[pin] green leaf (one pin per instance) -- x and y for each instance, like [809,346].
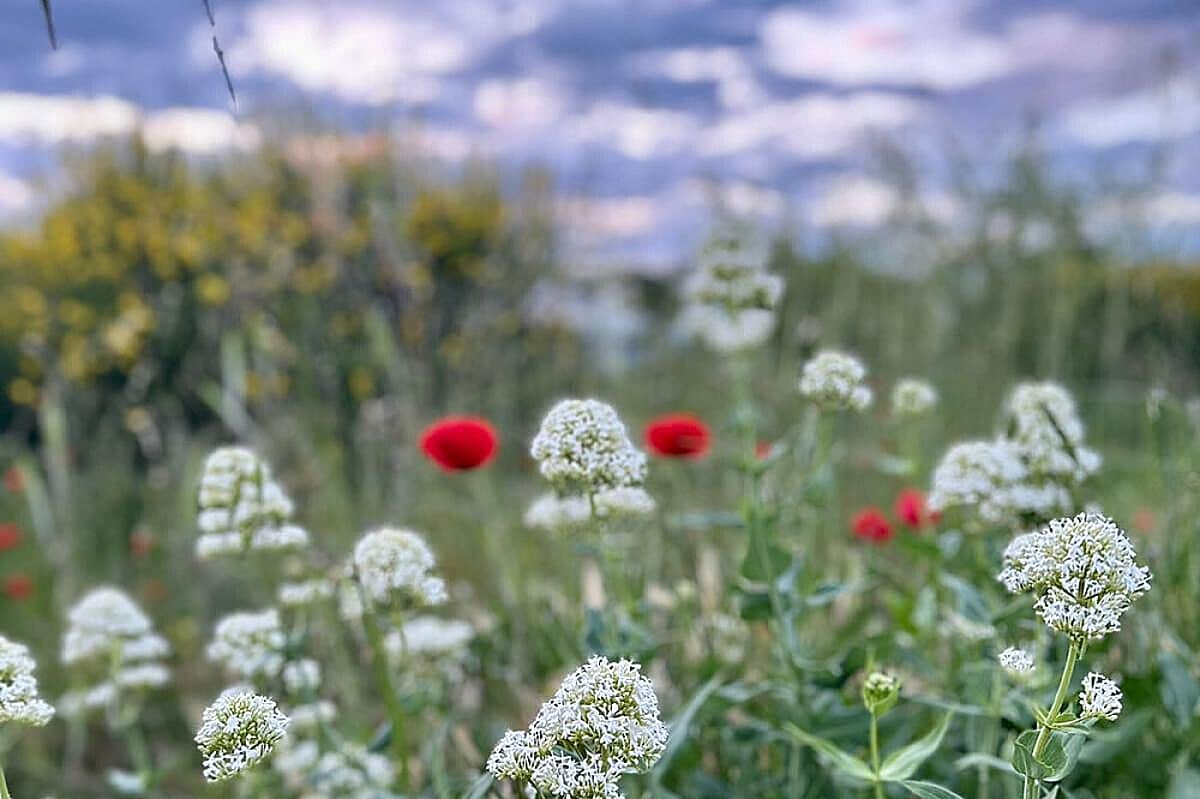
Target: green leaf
[1180,693]
[480,787]
[681,725]
[984,760]
[904,762]
[841,760]
[1053,764]
[928,790]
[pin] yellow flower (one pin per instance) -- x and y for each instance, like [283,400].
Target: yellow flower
[213,290]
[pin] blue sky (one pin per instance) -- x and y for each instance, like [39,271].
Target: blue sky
[645,109]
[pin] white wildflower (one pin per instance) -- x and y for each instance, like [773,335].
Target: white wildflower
[623,501]
[350,772]
[312,715]
[912,397]
[1099,698]
[238,731]
[1015,661]
[552,512]
[20,702]
[397,562]
[305,592]
[991,478]
[302,676]
[142,675]
[583,447]
[605,709]
[429,636]
[1044,424]
[835,380]
[242,507]
[249,644]
[101,623]
[724,331]
[1083,570]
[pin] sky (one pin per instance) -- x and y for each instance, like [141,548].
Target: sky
[646,111]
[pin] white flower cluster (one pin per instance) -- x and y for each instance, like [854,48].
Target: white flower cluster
[991,477]
[1016,662]
[731,297]
[430,637]
[109,633]
[347,772]
[302,677]
[582,447]
[1029,473]
[20,702]
[299,593]
[390,562]
[1099,698]
[242,507]
[912,397]
[552,512]
[250,644]
[1084,571]
[1044,424]
[601,723]
[835,381]
[238,731]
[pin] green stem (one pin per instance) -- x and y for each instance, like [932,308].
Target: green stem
[1044,731]
[391,699]
[875,755]
[4,794]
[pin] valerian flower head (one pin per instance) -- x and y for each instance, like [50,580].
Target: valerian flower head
[1099,698]
[583,447]
[1044,424]
[990,478]
[238,731]
[880,692]
[555,513]
[20,702]
[106,630]
[1083,570]
[1016,662]
[392,563]
[836,381]
[299,593]
[603,719]
[250,644]
[912,397]
[429,637]
[724,331]
[301,676]
[242,507]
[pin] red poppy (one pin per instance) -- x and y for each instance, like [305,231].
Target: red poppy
[460,443]
[762,450]
[141,543]
[10,536]
[678,435]
[18,587]
[913,511]
[14,481]
[1144,520]
[870,524]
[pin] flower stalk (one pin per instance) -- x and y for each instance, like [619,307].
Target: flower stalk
[1044,729]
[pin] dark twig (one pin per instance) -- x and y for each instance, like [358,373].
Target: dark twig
[50,23]
[212,23]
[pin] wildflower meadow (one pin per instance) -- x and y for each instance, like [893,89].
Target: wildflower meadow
[332,469]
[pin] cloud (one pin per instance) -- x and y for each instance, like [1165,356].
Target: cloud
[371,52]
[933,44]
[520,103]
[812,127]
[858,201]
[726,67]
[637,132]
[16,196]
[59,119]
[1168,113]
[51,120]
[884,43]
